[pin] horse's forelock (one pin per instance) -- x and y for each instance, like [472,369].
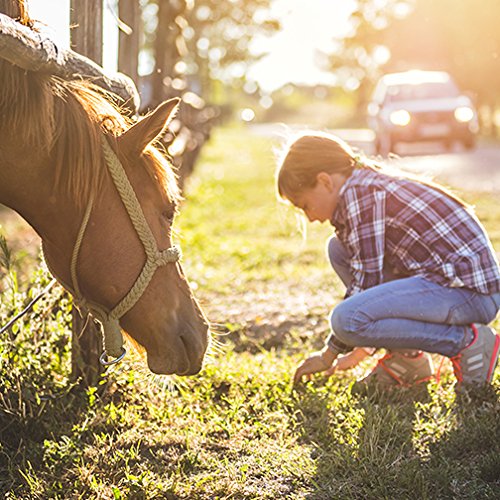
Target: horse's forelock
[163,172]
[82,114]
[63,121]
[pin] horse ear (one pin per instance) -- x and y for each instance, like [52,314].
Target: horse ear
[154,124]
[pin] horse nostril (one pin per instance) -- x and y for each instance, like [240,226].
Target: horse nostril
[194,351]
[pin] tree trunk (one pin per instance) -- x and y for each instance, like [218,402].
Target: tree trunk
[86,38]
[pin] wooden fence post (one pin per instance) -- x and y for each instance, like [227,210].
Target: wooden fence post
[165,50]
[86,35]
[129,12]
[86,38]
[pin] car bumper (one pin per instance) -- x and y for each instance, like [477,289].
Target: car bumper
[431,133]
[432,126]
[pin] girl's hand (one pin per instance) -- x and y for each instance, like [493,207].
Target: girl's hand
[347,361]
[317,362]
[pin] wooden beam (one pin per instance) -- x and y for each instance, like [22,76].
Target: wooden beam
[86,347]
[34,51]
[165,50]
[17,9]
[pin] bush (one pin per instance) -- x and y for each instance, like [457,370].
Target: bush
[34,351]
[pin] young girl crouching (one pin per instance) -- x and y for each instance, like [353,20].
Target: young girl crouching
[420,270]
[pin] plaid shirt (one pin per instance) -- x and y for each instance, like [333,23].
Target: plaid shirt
[414,228]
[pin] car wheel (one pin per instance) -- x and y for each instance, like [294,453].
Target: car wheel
[383,145]
[469,143]
[448,144]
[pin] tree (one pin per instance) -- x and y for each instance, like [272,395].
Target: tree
[460,37]
[361,54]
[208,39]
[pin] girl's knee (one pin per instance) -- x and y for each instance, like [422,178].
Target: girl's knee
[340,321]
[348,323]
[339,259]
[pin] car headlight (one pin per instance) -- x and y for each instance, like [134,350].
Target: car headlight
[400,117]
[464,114]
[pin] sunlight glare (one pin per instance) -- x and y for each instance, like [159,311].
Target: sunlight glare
[307,27]
[247,114]
[55,15]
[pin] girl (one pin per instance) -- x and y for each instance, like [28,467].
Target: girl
[448,278]
[398,367]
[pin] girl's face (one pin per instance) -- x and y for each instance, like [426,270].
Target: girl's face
[320,201]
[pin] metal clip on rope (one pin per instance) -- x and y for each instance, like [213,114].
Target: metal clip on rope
[103,359]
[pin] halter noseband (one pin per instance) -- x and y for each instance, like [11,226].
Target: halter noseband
[109,319]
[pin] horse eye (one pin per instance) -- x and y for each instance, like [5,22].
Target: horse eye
[169,214]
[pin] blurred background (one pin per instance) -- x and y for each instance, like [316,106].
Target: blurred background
[314,61]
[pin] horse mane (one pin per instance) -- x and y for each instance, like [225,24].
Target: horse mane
[83,114]
[26,107]
[66,121]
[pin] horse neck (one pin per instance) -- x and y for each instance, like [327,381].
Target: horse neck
[27,187]
[26,133]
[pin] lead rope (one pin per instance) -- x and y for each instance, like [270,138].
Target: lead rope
[111,330]
[28,307]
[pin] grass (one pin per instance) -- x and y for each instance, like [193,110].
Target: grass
[237,430]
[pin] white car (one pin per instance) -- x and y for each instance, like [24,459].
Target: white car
[421,106]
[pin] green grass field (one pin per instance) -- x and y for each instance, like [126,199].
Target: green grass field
[237,430]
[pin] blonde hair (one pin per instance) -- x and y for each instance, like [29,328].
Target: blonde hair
[309,154]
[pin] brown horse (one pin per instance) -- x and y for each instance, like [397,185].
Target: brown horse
[53,172]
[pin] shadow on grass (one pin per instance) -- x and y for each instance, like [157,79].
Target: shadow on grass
[41,436]
[26,424]
[465,462]
[393,445]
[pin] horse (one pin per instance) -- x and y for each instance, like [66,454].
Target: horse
[102,197]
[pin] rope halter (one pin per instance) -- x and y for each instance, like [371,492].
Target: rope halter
[109,319]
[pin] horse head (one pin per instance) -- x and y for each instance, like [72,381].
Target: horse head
[56,153]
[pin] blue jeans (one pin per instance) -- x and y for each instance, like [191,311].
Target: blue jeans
[407,312]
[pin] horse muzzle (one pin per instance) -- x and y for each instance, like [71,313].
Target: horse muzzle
[183,357]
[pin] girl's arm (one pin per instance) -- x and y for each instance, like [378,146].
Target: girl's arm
[349,360]
[365,237]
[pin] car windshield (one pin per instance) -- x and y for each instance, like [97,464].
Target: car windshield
[427,90]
